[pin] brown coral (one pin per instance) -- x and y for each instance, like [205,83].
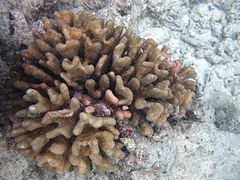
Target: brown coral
[82,75]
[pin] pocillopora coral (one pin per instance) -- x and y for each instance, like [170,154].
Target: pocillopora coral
[80,76]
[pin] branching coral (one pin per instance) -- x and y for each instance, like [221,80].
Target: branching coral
[81,75]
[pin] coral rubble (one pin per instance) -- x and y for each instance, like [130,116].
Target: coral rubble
[80,76]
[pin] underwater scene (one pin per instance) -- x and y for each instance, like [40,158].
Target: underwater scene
[119,90]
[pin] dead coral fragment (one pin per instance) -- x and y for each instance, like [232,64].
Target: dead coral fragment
[83,76]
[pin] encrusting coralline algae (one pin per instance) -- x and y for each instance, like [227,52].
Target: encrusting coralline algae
[80,77]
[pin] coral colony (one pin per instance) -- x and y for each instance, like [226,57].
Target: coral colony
[81,76]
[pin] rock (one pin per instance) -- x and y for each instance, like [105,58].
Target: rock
[142,175]
[227,112]
[231,30]
[129,143]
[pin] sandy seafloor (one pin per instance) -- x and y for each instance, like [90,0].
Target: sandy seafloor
[202,33]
